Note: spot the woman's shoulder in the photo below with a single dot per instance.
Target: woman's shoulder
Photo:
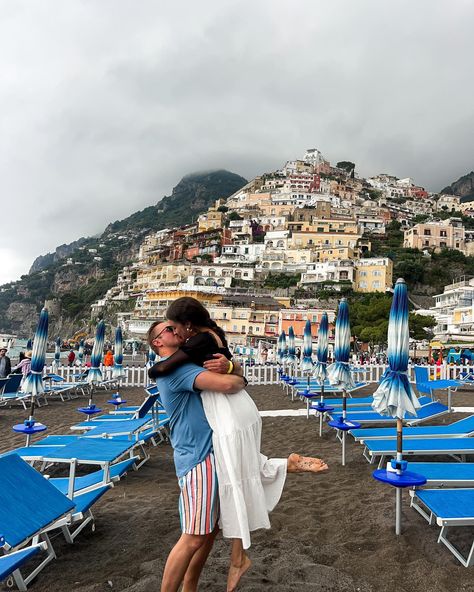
(203, 338)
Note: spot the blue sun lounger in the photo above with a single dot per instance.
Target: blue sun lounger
(10, 564)
(449, 508)
(425, 413)
(457, 447)
(30, 507)
(439, 474)
(461, 428)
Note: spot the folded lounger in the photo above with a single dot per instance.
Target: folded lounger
(461, 428)
(449, 508)
(425, 413)
(10, 564)
(30, 507)
(457, 447)
(439, 474)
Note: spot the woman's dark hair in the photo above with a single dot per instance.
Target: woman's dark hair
(189, 310)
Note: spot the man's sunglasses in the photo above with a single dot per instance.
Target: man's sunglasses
(168, 328)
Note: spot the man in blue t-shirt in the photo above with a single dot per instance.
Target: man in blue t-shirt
(191, 438)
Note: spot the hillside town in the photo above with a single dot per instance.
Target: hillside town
(310, 221)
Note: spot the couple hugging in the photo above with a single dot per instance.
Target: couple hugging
(215, 431)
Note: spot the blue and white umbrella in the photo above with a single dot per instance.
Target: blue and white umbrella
(80, 353)
(95, 373)
(339, 372)
(307, 361)
(320, 366)
(395, 396)
(29, 345)
(34, 381)
(151, 358)
(291, 356)
(281, 348)
(118, 370)
(57, 353)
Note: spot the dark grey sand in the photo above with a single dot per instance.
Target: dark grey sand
(330, 532)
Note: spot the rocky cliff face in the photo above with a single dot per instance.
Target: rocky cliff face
(61, 252)
(464, 187)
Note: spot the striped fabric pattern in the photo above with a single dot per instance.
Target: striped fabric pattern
(199, 498)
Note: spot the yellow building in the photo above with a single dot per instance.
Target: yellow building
(373, 275)
(309, 239)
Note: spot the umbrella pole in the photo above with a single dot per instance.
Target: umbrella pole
(321, 414)
(344, 413)
(398, 498)
(307, 400)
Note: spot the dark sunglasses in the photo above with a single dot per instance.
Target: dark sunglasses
(168, 328)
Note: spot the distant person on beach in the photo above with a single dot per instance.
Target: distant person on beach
(24, 366)
(109, 358)
(70, 358)
(5, 363)
(264, 355)
(247, 490)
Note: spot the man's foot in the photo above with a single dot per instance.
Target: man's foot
(305, 464)
(236, 572)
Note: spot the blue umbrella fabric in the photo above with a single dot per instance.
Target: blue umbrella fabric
(95, 373)
(282, 350)
(339, 372)
(34, 381)
(57, 352)
(291, 356)
(118, 370)
(395, 396)
(29, 345)
(80, 353)
(320, 366)
(307, 361)
(151, 357)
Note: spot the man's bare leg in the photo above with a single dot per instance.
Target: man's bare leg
(305, 464)
(239, 564)
(179, 559)
(193, 573)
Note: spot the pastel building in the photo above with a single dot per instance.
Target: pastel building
(373, 275)
(445, 234)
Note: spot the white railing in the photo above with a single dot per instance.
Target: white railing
(136, 376)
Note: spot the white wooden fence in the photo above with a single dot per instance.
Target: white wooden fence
(136, 376)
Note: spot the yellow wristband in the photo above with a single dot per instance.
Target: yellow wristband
(231, 367)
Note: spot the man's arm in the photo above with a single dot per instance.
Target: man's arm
(223, 383)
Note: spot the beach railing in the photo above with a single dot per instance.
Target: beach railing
(266, 374)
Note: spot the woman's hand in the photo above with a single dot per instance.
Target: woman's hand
(220, 364)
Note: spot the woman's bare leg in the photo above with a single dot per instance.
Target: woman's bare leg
(239, 564)
(305, 464)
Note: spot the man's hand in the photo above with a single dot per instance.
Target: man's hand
(220, 364)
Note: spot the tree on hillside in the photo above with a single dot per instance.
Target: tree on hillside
(346, 165)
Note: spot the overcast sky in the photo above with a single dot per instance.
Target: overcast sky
(106, 104)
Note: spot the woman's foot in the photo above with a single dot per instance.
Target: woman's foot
(305, 464)
(236, 571)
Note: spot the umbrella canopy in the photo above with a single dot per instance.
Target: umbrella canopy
(395, 396)
(80, 353)
(339, 372)
(307, 361)
(29, 345)
(95, 373)
(320, 367)
(281, 348)
(34, 381)
(151, 357)
(291, 356)
(118, 370)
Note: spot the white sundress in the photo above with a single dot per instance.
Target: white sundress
(250, 484)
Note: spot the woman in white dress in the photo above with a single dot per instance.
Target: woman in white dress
(250, 484)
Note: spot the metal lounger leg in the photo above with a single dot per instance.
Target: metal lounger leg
(466, 561)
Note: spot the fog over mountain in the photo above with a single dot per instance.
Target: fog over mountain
(105, 105)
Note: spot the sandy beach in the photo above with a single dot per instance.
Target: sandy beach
(330, 532)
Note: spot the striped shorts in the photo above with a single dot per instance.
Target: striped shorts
(199, 498)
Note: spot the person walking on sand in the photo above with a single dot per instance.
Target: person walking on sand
(247, 491)
(5, 363)
(24, 366)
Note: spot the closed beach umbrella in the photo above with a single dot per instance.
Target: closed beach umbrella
(320, 366)
(395, 396)
(291, 356)
(29, 344)
(57, 352)
(118, 370)
(307, 361)
(34, 381)
(339, 372)
(282, 351)
(95, 373)
(151, 357)
(80, 353)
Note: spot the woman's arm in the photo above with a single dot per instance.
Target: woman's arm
(166, 366)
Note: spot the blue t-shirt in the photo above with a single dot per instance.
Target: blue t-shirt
(190, 433)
